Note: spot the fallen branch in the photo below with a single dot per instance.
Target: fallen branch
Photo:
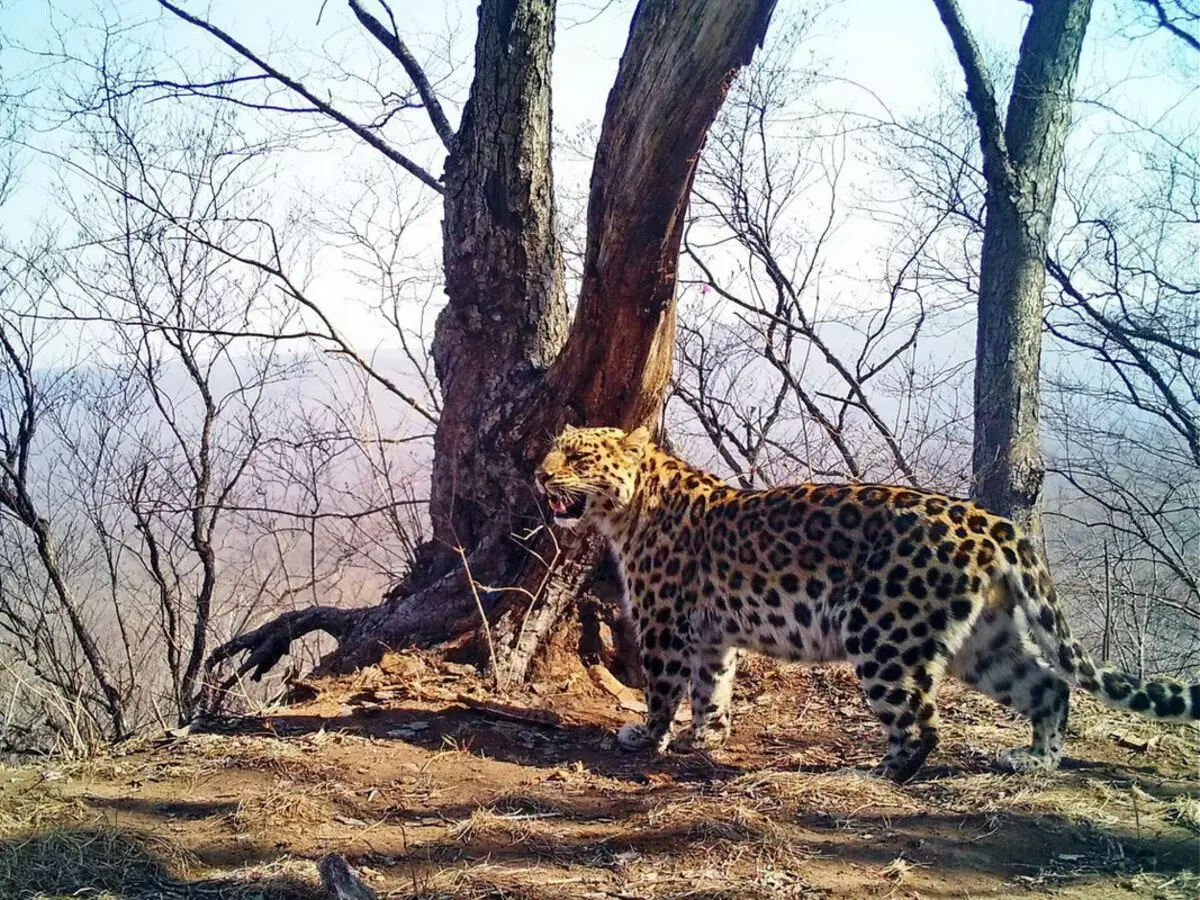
(340, 883)
(541, 717)
(267, 644)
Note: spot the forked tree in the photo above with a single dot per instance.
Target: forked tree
(513, 367)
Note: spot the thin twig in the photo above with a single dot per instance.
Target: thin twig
(487, 628)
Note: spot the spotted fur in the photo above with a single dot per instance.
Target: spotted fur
(905, 584)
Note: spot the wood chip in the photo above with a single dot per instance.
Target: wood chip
(1137, 744)
(607, 681)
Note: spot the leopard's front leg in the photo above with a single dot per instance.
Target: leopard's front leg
(712, 689)
(667, 673)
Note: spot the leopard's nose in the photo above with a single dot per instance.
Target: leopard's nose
(541, 476)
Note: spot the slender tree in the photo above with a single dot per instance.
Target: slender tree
(1022, 157)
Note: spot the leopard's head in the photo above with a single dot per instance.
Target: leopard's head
(591, 473)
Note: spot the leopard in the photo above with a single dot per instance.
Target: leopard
(906, 585)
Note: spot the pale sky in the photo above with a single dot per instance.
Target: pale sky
(890, 51)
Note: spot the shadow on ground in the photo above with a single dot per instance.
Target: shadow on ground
(86, 862)
(520, 743)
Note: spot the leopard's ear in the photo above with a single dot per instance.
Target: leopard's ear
(637, 439)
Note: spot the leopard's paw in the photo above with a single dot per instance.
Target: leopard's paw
(692, 740)
(638, 737)
(633, 737)
(1023, 759)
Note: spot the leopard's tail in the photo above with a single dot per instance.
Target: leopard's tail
(1158, 698)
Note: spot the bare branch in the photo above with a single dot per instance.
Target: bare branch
(296, 87)
(1159, 10)
(980, 94)
(391, 40)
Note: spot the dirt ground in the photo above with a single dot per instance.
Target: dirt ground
(432, 787)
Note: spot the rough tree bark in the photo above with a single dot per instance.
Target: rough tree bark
(506, 317)
(1022, 158)
(506, 387)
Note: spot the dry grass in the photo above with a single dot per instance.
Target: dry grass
(487, 831)
(33, 810)
(994, 793)
(479, 881)
(898, 871)
(294, 759)
(198, 756)
(1089, 801)
(1185, 811)
(1182, 886)
(284, 806)
(841, 792)
(463, 808)
(54, 846)
(59, 861)
(105, 863)
(702, 820)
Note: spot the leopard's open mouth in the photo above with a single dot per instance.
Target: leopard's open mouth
(567, 506)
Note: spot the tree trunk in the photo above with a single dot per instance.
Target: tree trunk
(505, 319)
(1006, 462)
(1021, 162)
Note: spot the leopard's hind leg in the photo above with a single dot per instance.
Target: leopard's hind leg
(901, 653)
(1000, 661)
(904, 698)
(900, 683)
